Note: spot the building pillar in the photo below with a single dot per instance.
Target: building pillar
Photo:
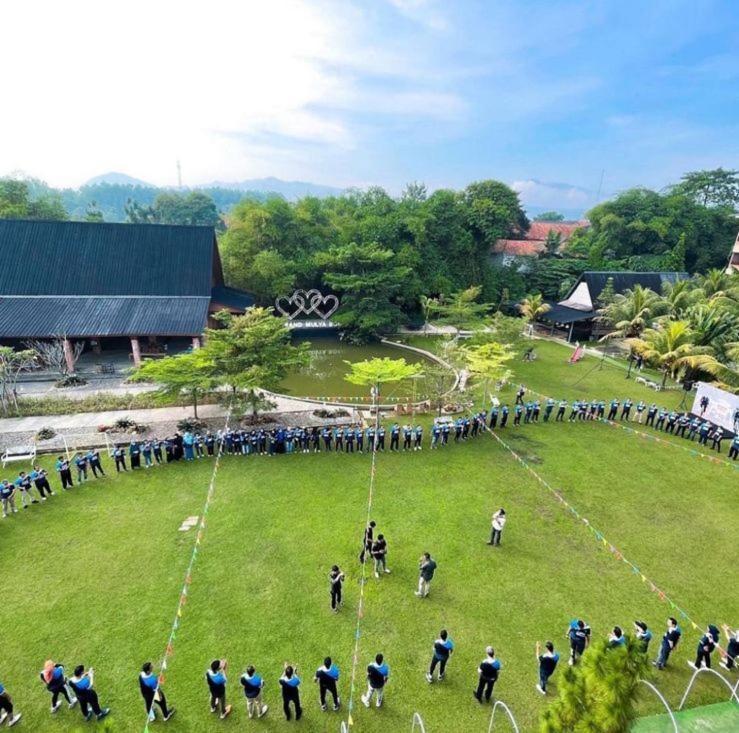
(136, 351)
(195, 343)
(68, 355)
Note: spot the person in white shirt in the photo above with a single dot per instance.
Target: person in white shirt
(498, 522)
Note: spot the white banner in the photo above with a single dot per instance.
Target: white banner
(718, 406)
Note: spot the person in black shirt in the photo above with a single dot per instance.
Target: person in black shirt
(379, 555)
(290, 683)
(94, 458)
(120, 459)
(487, 671)
(327, 677)
(152, 692)
(670, 640)
(336, 578)
(443, 649)
(706, 646)
(65, 472)
(547, 664)
(732, 648)
(369, 533)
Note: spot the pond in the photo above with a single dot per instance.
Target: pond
(324, 376)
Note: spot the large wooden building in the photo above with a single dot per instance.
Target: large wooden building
(99, 282)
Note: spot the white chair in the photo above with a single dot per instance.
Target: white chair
(18, 453)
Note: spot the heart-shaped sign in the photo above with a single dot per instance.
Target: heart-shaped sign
(304, 303)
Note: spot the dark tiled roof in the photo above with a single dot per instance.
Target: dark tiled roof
(81, 258)
(83, 317)
(622, 281)
(230, 298)
(562, 314)
(518, 248)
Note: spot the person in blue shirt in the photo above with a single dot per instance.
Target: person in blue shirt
(643, 634)
(503, 416)
(626, 409)
(215, 676)
(210, 442)
(81, 683)
(327, 675)
(93, 459)
(65, 473)
(703, 433)
(517, 410)
(547, 664)
(146, 450)
(336, 580)
(7, 496)
(706, 647)
(445, 428)
(55, 681)
(152, 692)
(579, 635)
(435, 436)
(394, 436)
(417, 434)
(670, 640)
(187, 444)
(640, 407)
(290, 684)
(6, 708)
(349, 439)
(487, 671)
(23, 482)
(575, 408)
(616, 638)
(80, 461)
(41, 482)
(561, 408)
(494, 410)
(253, 684)
(359, 436)
(381, 438)
(338, 440)
(443, 649)
(377, 676)
(651, 413)
(734, 448)
(200, 452)
(548, 407)
(613, 411)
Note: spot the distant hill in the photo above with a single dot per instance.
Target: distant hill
(120, 179)
(291, 190)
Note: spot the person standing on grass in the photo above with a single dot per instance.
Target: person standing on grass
(65, 474)
(327, 675)
(487, 671)
(504, 416)
(547, 664)
(290, 684)
(134, 452)
(377, 676)
(7, 496)
(120, 459)
(734, 447)
(379, 555)
(732, 648)
(23, 482)
(53, 677)
(188, 442)
(7, 711)
(253, 684)
(394, 437)
(670, 640)
(418, 432)
(41, 481)
(517, 410)
(706, 647)
(215, 676)
(716, 438)
(152, 693)
(81, 683)
(561, 409)
(640, 407)
(80, 461)
(643, 635)
(651, 414)
(335, 579)
(146, 450)
(519, 394)
(443, 649)
(426, 570)
(93, 459)
(626, 409)
(369, 534)
(579, 635)
(497, 523)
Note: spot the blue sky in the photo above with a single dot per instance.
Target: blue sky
(378, 92)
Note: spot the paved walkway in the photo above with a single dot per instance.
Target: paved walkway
(82, 421)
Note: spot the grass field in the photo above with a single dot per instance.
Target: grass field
(95, 577)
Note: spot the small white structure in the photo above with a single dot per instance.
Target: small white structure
(18, 453)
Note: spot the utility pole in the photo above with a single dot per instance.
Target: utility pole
(179, 175)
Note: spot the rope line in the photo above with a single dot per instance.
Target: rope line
(360, 605)
(603, 540)
(169, 649)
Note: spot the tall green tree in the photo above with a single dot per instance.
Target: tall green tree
(600, 693)
(17, 201)
(630, 312)
(463, 309)
(488, 363)
(372, 286)
(374, 373)
(549, 216)
(189, 375)
(717, 187)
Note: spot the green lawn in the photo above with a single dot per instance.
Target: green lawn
(95, 577)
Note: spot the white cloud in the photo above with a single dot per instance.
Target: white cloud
(554, 195)
(233, 89)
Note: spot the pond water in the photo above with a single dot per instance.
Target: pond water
(324, 376)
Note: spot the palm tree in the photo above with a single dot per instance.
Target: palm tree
(533, 307)
(679, 295)
(726, 371)
(717, 283)
(713, 325)
(670, 346)
(429, 306)
(631, 312)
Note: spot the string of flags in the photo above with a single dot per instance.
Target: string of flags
(360, 605)
(182, 601)
(655, 438)
(603, 541)
(365, 400)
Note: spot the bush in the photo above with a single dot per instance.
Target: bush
(71, 380)
(124, 423)
(324, 413)
(45, 434)
(190, 425)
